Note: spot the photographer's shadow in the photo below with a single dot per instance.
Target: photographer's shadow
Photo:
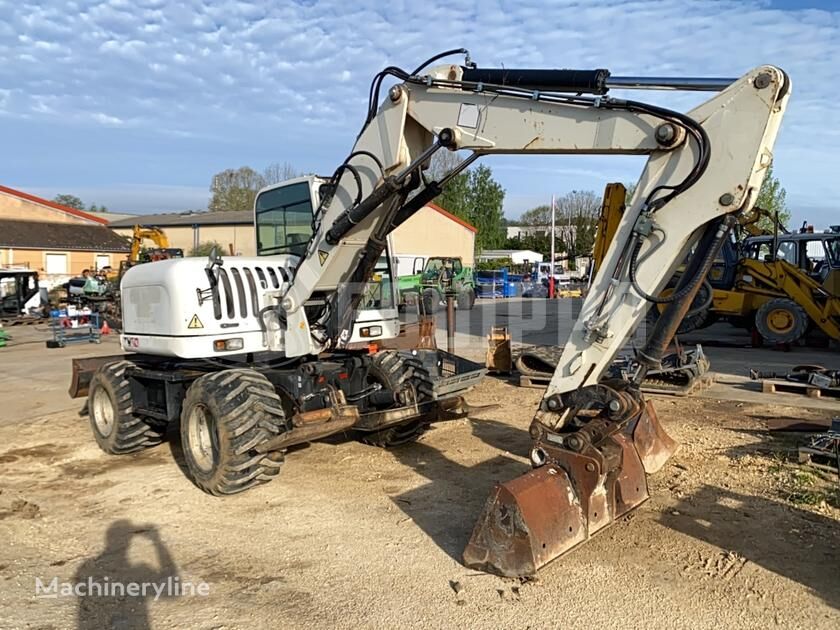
(116, 603)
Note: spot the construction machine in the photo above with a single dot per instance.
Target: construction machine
(250, 354)
(784, 286)
(441, 276)
(20, 297)
(161, 251)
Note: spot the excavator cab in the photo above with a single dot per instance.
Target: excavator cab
(817, 254)
(284, 220)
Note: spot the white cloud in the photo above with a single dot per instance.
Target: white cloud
(105, 119)
(260, 81)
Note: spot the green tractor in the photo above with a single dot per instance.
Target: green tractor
(440, 276)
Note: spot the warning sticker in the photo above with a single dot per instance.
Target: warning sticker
(195, 322)
(322, 256)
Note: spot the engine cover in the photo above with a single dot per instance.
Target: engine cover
(170, 308)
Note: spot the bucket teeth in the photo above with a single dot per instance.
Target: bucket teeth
(529, 521)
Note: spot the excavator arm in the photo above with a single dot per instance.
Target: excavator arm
(593, 440)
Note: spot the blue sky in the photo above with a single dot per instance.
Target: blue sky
(136, 103)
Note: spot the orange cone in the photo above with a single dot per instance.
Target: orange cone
(106, 329)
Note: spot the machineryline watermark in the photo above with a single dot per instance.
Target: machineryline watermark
(172, 586)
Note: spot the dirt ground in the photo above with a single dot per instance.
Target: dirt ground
(735, 534)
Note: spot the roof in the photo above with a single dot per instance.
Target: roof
(449, 215)
(204, 217)
(110, 217)
(60, 236)
(51, 204)
(233, 217)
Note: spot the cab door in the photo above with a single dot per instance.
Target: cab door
(831, 272)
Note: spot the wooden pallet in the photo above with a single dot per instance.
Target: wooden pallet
(774, 386)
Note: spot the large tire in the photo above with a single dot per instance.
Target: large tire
(466, 299)
(781, 320)
(430, 301)
(398, 373)
(115, 426)
(699, 314)
(224, 417)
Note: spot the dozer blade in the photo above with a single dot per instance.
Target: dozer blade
(531, 520)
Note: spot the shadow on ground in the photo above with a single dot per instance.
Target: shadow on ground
(447, 507)
(796, 544)
(116, 592)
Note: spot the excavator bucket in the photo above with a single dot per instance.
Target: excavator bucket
(498, 352)
(531, 520)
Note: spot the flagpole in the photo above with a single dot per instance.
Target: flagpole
(551, 261)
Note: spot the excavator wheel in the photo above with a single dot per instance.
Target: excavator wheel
(396, 372)
(225, 416)
(466, 299)
(781, 320)
(116, 428)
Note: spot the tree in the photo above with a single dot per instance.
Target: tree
(455, 195)
(235, 189)
(539, 216)
(772, 198)
(485, 200)
(628, 196)
(577, 213)
(94, 208)
(276, 173)
(472, 195)
(575, 218)
(71, 201)
(204, 249)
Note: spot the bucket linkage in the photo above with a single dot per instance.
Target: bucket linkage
(587, 472)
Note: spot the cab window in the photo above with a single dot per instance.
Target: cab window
(284, 220)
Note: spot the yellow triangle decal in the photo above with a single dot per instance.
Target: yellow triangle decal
(322, 256)
(195, 322)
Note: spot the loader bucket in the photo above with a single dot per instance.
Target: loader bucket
(83, 371)
(531, 520)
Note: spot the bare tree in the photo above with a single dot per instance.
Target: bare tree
(276, 173)
(577, 218)
(443, 162)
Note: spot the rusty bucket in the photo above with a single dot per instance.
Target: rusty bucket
(531, 520)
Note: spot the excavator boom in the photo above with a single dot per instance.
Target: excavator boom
(594, 440)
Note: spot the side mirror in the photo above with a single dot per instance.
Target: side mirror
(214, 259)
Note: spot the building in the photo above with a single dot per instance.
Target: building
(54, 240)
(516, 256)
(234, 231)
(432, 231)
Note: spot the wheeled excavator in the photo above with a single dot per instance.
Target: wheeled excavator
(249, 354)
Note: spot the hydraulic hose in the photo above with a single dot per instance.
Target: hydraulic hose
(698, 267)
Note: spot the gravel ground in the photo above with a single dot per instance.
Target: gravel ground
(735, 534)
